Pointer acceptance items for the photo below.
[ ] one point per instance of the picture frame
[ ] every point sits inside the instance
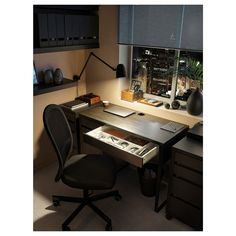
(35, 78)
(135, 85)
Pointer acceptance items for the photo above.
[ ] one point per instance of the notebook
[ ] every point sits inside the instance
(172, 127)
(119, 111)
(75, 104)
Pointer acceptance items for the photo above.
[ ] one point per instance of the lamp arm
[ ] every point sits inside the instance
(114, 69)
(92, 54)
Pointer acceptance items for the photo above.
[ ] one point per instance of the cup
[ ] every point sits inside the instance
(105, 103)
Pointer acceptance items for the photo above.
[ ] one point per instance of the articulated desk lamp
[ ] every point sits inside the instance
(120, 69)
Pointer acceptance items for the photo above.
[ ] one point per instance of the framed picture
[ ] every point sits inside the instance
(135, 85)
(35, 79)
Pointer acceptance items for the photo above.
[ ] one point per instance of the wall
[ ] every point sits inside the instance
(101, 80)
(70, 63)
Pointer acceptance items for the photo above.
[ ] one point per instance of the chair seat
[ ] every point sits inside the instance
(89, 172)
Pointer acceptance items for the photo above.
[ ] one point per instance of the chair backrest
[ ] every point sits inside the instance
(59, 132)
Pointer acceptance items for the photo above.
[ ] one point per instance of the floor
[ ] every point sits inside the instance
(134, 212)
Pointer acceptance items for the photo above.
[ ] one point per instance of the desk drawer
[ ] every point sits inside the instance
(190, 162)
(119, 143)
(89, 123)
(185, 212)
(188, 192)
(187, 174)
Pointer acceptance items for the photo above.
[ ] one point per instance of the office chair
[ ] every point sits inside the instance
(86, 172)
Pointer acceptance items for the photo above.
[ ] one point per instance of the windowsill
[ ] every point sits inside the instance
(179, 115)
(182, 112)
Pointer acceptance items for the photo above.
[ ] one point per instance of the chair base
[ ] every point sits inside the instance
(86, 200)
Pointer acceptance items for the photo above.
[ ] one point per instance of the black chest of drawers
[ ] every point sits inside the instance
(185, 194)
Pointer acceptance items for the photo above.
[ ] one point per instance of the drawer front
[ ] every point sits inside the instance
(188, 161)
(187, 174)
(185, 212)
(89, 123)
(102, 140)
(86, 148)
(188, 192)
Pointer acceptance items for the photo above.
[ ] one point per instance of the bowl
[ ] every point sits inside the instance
(105, 103)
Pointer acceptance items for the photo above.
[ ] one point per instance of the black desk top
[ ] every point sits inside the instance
(146, 126)
(190, 145)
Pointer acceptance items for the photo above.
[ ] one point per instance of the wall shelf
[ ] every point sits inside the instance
(47, 88)
(64, 48)
(65, 27)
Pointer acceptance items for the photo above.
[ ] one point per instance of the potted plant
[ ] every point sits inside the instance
(193, 71)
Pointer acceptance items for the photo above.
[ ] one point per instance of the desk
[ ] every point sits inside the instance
(147, 126)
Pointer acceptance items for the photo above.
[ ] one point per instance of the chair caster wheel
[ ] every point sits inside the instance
(56, 203)
(108, 227)
(118, 197)
(168, 217)
(65, 228)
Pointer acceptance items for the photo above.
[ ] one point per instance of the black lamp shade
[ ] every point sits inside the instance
(120, 71)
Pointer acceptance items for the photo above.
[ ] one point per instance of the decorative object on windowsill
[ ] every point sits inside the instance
(167, 105)
(48, 76)
(58, 76)
(175, 105)
(195, 103)
(194, 71)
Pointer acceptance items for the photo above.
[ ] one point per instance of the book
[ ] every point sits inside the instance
(75, 104)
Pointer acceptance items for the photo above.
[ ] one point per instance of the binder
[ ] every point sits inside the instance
(69, 29)
(43, 30)
(52, 30)
(60, 27)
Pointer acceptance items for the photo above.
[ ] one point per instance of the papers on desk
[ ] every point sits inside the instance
(75, 104)
(172, 127)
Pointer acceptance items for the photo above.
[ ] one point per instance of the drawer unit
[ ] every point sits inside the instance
(185, 212)
(124, 145)
(187, 174)
(187, 191)
(185, 160)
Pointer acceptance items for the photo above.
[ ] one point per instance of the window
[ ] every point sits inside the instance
(164, 73)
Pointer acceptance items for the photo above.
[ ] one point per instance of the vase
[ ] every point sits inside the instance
(48, 77)
(58, 76)
(195, 103)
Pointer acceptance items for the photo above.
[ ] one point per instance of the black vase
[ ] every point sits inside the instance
(58, 76)
(195, 103)
(48, 77)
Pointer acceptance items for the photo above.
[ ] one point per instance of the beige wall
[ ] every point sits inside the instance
(101, 80)
(70, 63)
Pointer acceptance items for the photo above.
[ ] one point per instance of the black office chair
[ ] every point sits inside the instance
(87, 172)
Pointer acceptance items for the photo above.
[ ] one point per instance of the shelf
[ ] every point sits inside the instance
(47, 88)
(64, 48)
